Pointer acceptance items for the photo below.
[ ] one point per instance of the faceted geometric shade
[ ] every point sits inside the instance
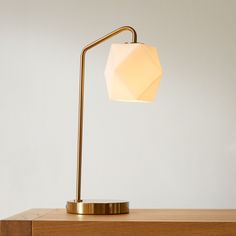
(133, 72)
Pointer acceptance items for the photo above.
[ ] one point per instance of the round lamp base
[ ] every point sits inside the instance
(97, 207)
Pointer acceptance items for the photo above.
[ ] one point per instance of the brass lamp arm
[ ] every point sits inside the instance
(81, 99)
(110, 35)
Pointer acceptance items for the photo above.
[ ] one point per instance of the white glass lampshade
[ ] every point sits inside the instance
(133, 72)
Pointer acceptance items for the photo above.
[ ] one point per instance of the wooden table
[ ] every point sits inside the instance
(145, 222)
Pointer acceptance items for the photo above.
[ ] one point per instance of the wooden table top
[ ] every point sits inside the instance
(166, 222)
(143, 215)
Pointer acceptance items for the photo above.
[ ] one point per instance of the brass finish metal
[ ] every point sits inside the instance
(81, 99)
(79, 206)
(97, 207)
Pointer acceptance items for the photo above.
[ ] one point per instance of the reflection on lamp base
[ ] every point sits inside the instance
(97, 207)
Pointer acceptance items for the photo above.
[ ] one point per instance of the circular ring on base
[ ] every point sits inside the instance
(97, 207)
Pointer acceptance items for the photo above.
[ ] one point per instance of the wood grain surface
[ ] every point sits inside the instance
(20, 224)
(160, 222)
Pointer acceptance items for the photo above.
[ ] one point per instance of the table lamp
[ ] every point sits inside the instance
(133, 73)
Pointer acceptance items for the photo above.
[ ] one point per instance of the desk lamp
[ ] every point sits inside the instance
(133, 73)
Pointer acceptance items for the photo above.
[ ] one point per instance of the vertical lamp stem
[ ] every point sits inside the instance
(81, 100)
(80, 128)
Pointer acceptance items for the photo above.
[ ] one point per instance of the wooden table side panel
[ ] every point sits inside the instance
(16, 228)
(95, 228)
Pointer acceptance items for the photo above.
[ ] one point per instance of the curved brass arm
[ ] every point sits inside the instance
(81, 99)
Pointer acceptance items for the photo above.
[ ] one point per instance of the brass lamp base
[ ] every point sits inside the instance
(97, 207)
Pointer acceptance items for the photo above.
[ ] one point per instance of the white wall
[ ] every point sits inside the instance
(178, 152)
